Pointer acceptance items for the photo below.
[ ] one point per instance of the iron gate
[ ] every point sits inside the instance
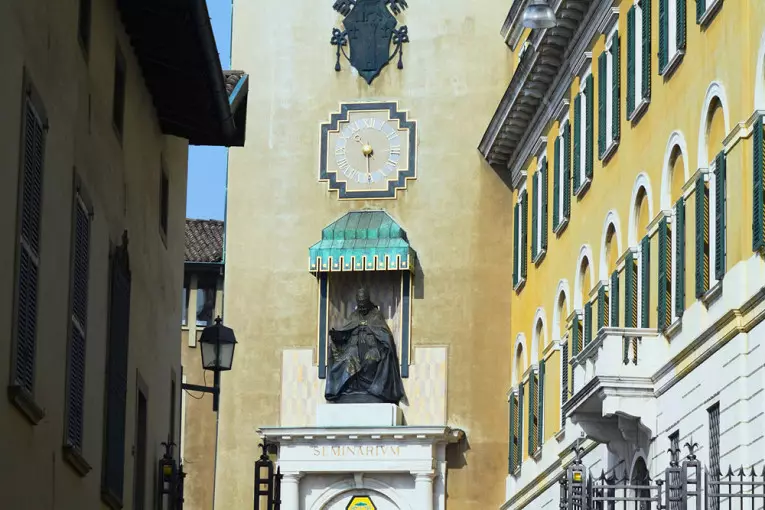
(685, 485)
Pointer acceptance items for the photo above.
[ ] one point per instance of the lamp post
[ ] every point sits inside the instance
(539, 14)
(218, 343)
(268, 484)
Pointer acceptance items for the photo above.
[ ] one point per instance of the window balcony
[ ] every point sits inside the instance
(612, 396)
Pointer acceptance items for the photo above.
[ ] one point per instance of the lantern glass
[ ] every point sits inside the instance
(218, 343)
(539, 14)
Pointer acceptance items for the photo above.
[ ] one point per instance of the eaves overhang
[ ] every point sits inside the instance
(175, 47)
(543, 65)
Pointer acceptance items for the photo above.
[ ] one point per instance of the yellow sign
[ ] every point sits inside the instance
(361, 503)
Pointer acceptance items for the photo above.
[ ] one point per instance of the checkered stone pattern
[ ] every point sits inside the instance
(303, 391)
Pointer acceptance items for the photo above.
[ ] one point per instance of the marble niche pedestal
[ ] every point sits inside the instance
(362, 450)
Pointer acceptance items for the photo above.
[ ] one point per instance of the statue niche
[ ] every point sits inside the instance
(363, 364)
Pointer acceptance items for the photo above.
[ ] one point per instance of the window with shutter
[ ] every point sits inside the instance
(118, 96)
(512, 463)
(681, 34)
(720, 206)
(557, 195)
(705, 10)
(758, 187)
(541, 404)
(602, 308)
(616, 102)
(645, 281)
(567, 183)
(679, 270)
(632, 85)
(589, 128)
(587, 323)
(28, 262)
(533, 404)
(543, 209)
(78, 327)
(614, 295)
(602, 103)
(645, 54)
(521, 395)
(564, 384)
(664, 309)
(534, 215)
(577, 179)
(524, 232)
(630, 291)
(516, 244)
(663, 35)
(672, 33)
(702, 236)
(113, 472)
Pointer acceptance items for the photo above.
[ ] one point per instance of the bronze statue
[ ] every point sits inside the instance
(363, 361)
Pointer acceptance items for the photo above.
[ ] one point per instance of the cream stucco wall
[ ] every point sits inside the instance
(39, 37)
(457, 215)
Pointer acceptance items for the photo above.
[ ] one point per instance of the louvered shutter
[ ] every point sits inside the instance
(556, 184)
(532, 432)
(577, 137)
(576, 336)
(758, 187)
(681, 25)
(630, 291)
(564, 381)
(541, 404)
(587, 323)
(700, 9)
(521, 394)
(534, 214)
(602, 308)
(720, 204)
(75, 387)
(616, 88)
(602, 102)
(702, 236)
(516, 241)
(116, 375)
(512, 436)
(663, 35)
(680, 258)
(567, 183)
(631, 38)
(589, 146)
(614, 295)
(664, 309)
(524, 232)
(645, 7)
(25, 329)
(645, 283)
(544, 205)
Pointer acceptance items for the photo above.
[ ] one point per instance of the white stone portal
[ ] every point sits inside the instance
(358, 415)
(397, 467)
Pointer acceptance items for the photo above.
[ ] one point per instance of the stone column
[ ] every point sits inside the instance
(291, 491)
(423, 488)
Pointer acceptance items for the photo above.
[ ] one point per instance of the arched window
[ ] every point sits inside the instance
(519, 365)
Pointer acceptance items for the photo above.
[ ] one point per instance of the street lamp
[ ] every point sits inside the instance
(539, 15)
(218, 343)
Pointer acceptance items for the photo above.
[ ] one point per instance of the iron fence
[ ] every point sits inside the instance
(684, 485)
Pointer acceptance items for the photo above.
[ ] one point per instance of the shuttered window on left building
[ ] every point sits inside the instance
(28, 255)
(78, 333)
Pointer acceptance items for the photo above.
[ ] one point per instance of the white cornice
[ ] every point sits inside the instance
(580, 64)
(562, 111)
(312, 434)
(608, 22)
(540, 146)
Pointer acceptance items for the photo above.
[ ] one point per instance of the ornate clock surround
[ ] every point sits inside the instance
(397, 180)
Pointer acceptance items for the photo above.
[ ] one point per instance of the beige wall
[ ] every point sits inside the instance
(457, 215)
(122, 180)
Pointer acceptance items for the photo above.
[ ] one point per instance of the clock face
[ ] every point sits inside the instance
(368, 151)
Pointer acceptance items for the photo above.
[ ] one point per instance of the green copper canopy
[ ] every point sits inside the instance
(362, 241)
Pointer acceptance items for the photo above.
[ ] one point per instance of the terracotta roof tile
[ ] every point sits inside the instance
(204, 240)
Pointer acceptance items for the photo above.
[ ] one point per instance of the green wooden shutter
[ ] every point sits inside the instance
(645, 7)
(524, 232)
(521, 394)
(631, 38)
(511, 436)
(75, 380)
(556, 184)
(616, 88)
(541, 405)
(630, 291)
(544, 205)
(587, 323)
(614, 295)
(758, 187)
(27, 270)
(645, 283)
(577, 141)
(516, 242)
(602, 308)
(575, 336)
(680, 257)
(702, 236)
(663, 35)
(589, 146)
(567, 183)
(602, 102)
(665, 276)
(534, 214)
(681, 25)
(532, 430)
(701, 7)
(564, 384)
(720, 216)
(113, 472)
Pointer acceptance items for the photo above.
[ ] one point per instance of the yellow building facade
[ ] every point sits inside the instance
(94, 153)
(632, 136)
